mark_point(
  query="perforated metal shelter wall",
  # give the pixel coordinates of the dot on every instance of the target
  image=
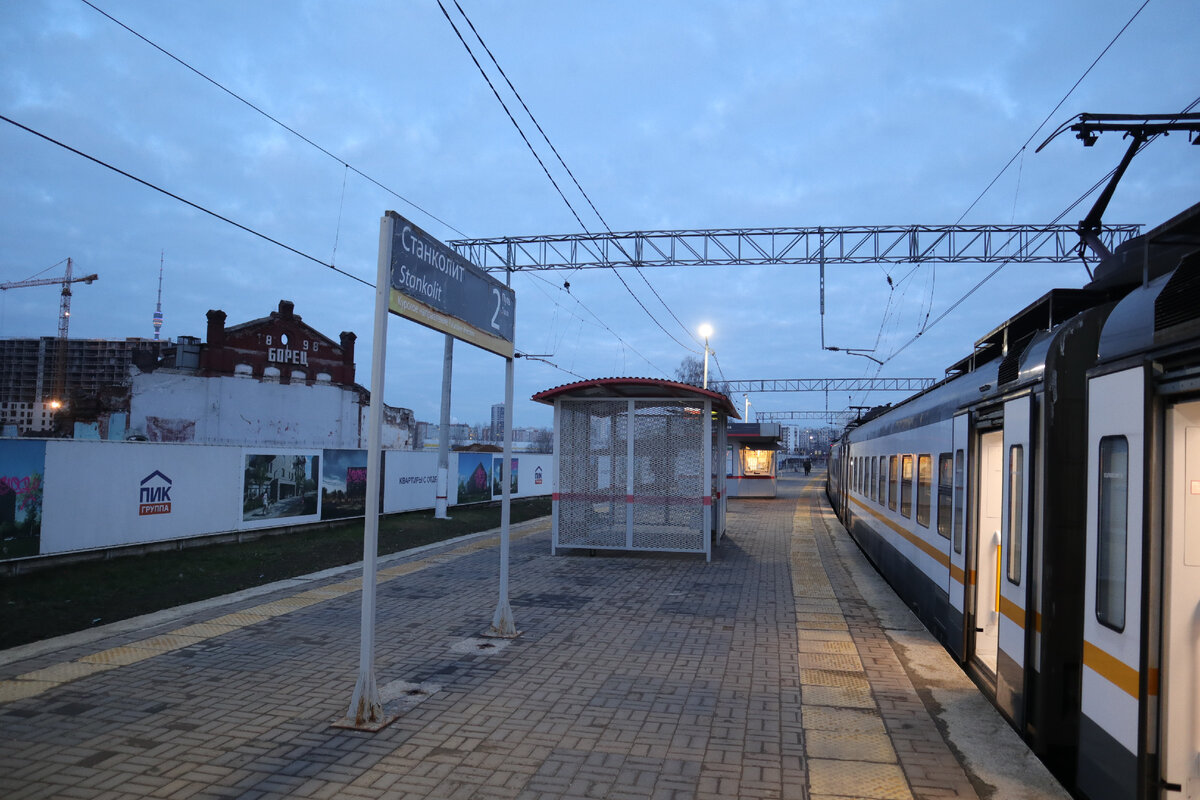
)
(636, 475)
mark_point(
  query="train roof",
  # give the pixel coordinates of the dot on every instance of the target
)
(1151, 255)
(1051, 309)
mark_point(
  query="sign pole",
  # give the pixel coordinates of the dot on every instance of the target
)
(503, 624)
(443, 468)
(366, 706)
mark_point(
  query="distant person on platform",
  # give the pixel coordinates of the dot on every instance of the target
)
(807, 466)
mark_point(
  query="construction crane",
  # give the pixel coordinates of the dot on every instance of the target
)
(64, 321)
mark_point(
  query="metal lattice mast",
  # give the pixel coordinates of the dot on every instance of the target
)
(158, 315)
(825, 385)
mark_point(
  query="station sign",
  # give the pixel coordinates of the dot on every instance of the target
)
(435, 286)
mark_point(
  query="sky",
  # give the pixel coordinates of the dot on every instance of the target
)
(670, 115)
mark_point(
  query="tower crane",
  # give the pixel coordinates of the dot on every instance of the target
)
(64, 321)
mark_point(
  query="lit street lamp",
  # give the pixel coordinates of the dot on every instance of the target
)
(706, 331)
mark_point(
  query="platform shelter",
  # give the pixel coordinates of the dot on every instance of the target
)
(753, 449)
(639, 464)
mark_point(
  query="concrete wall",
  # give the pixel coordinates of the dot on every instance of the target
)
(176, 407)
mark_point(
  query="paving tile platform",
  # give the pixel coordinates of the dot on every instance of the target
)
(766, 673)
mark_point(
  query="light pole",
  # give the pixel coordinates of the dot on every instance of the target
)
(706, 331)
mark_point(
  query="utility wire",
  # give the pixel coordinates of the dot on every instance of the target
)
(574, 180)
(1054, 110)
(1003, 264)
(283, 125)
(174, 196)
(926, 324)
(601, 322)
(561, 161)
(511, 118)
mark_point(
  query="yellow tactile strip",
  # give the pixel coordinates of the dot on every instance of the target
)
(34, 683)
(847, 744)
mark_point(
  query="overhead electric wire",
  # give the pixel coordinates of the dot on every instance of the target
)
(281, 124)
(1054, 110)
(600, 322)
(1003, 264)
(561, 161)
(185, 201)
(574, 180)
(926, 324)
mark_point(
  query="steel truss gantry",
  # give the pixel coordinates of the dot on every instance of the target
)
(824, 385)
(854, 244)
(831, 417)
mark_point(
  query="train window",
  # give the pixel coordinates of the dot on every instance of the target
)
(1112, 536)
(893, 473)
(945, 493)
(924, 484)
(872, 480)
(1016, 510)
(959, 483)
(882, 480)
(906, 477)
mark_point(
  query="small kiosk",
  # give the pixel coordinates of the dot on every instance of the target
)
(638, 465)
(752, 451)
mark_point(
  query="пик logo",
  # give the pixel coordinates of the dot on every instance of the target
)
(537, 476)
(155, 494)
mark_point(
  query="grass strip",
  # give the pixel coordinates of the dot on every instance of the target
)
(72, 597)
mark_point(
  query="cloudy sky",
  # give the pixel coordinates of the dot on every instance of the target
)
(671, 115)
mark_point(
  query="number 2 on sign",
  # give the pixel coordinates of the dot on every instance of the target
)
(496, 324)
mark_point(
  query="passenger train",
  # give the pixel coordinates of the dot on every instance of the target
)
(1039, 510)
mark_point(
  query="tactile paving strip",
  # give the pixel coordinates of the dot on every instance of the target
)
(846, 662)
(849, 746)
(846, 720)
(838, 678)
(842, 645)
(862, 779)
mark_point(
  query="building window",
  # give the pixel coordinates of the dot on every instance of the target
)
(1016, 510)
(959, 484)
(945, 494)
(893, 474)
(924, 484)
(1113, 533)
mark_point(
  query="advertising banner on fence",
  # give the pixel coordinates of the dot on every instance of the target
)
(410, 480)
(103, 494)
(22, 465)
(280, 484)
(60, 496)
(343, 484)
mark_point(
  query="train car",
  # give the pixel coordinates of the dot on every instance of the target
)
(1039, 510)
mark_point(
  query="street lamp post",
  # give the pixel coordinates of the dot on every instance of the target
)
(706, 331)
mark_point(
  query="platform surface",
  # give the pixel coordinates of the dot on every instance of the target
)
(784, 668)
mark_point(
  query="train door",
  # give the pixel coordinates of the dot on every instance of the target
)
(1014, 547)
(957, 584)
(987, 550)
(1180, 707)
(1112, 683)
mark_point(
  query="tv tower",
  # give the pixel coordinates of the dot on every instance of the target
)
(158, 317)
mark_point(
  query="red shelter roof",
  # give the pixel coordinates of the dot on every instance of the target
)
(636, 389)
